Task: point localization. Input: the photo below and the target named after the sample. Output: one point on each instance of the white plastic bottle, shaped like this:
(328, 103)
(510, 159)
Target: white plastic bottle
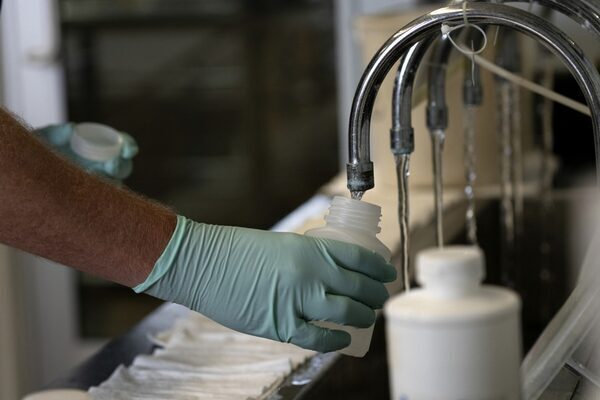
(453, 339)
(355, 222)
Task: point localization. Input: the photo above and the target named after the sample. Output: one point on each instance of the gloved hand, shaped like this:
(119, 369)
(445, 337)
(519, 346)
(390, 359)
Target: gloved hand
(271, 284)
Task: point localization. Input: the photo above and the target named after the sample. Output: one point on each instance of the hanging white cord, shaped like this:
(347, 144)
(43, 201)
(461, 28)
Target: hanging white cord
(447, 31)
(509, 76)
(532, 86)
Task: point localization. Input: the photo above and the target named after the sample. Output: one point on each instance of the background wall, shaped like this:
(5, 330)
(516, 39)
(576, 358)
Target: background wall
(36, 333)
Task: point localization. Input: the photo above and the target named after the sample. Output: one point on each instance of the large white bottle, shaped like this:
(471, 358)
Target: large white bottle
(355, 222)
(453, 339)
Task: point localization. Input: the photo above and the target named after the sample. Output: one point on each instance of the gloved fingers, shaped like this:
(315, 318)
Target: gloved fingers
(357, 287)
(359, 259)
(341, 310)
(324, 340)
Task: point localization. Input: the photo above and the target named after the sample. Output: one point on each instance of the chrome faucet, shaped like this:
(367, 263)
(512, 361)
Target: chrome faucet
(585, 12)
(437, 122)
(409, 43)
(402, 132)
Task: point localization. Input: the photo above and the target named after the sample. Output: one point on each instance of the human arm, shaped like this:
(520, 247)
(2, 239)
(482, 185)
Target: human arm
(53, 209)
(258, 282)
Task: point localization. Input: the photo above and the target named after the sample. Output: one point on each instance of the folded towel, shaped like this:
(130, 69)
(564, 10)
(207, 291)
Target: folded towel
(201, 359)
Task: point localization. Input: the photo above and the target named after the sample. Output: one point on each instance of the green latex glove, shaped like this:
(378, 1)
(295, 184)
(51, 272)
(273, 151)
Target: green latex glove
(271, 284)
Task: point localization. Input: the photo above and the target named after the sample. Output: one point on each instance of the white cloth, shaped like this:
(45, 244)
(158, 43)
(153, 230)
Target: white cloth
(201, 359)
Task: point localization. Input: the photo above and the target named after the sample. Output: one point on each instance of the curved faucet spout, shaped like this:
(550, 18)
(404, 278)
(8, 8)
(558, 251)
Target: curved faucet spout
(585, 12)
(402, 132)
(360, 167)
(437, 109)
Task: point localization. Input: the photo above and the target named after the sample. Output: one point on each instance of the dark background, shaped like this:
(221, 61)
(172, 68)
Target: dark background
(232, 103)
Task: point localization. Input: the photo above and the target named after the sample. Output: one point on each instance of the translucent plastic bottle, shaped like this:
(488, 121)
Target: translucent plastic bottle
(454, 339)
(355, 222)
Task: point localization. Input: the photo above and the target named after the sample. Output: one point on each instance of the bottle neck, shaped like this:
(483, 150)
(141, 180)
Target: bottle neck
(454, 271)
(452, 290)
(355, 215)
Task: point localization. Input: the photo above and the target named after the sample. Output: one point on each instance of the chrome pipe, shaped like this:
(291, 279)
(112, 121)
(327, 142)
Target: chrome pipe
(360, 167)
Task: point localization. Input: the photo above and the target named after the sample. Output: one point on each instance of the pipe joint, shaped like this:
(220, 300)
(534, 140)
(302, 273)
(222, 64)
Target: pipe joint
(360, 176)
(402, 140)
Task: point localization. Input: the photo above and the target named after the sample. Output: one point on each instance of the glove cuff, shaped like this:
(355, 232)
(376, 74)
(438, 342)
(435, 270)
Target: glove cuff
(167, 258)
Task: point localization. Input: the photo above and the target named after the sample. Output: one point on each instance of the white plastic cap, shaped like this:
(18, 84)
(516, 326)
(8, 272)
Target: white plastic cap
(96, 142)
(451, 266)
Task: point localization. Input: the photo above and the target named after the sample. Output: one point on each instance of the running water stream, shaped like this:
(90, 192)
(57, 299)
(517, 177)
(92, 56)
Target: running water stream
(357, 195)
(546, 228)
(470, 173)
(508, 56)
(507, 211)
(402, 173)
(437, 146)
(517, 164)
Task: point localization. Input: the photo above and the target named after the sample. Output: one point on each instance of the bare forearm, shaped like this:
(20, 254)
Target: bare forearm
(53, 209)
